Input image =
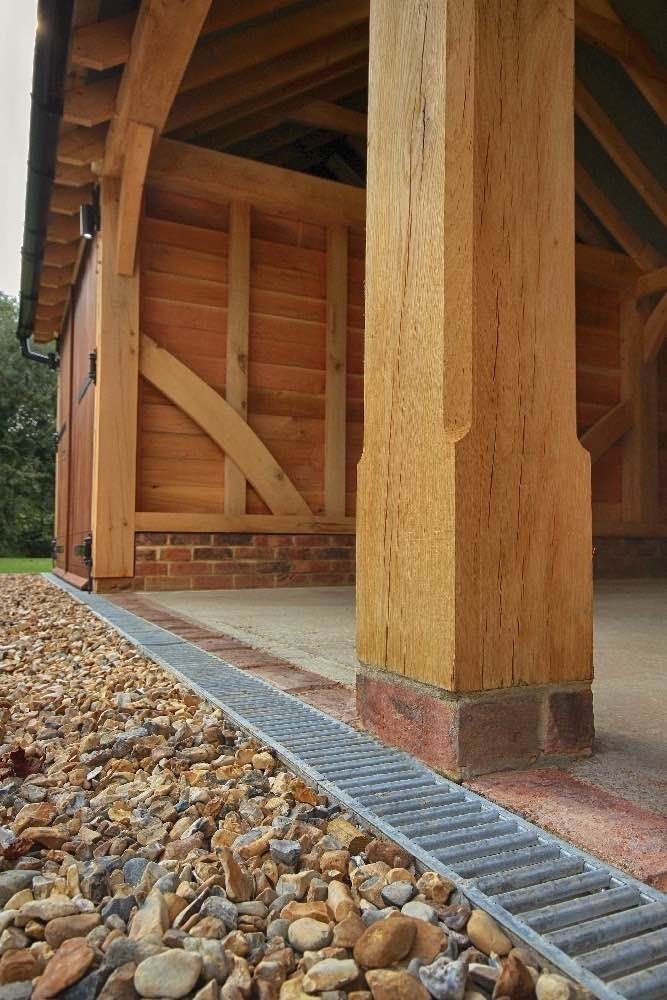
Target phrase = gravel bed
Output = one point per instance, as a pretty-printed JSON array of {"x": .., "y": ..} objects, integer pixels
[{"x": 149, "y": 849}]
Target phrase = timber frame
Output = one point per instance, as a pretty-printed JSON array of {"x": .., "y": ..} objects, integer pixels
[{"x": 219, "y": 138}]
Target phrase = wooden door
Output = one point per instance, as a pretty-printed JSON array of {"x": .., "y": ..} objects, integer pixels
[{"x": 82, "y": 412}]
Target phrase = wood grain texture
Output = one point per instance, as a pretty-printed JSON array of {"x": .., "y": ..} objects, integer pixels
[
  {"x": 223, "y": 425},
  {"x": 474, "y": 516},
  {"x": 175, "y": 166},
  {"x": 114, "y": 474},
  {"x": 655, "y": 330},
  {"x": 238, "y": 324},
  {"x": 335, "y": 391},
  {"x": 255, "y": 523},
  {"x": 139, "y": 140}
]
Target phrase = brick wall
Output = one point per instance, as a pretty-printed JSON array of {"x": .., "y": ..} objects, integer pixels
[
  {"x": 618, "y": 558},
  {"x": 199, "y": 561}
]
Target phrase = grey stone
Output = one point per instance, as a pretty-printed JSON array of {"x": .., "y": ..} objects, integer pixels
[
  {"x": 215, "y": 964},
  {"x": 88, "y": 987},
  {"x": 223, "y": 909},
  {"x": 285, "y": 852},
  {"x": 171, "y": 974},
  {"x": 422, "y": 911},
  {"x": 445, "y": 980},
  {"x": 119, "y": 906},
  {"x": 398, "y": 893},
  {"x": 134, "y": 869},
  {"x": 278, "y": 929},
  {"x": 16, "y": 991}
]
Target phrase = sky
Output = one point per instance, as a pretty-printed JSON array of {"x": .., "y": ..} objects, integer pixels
[{"x": 18, "y": 19}]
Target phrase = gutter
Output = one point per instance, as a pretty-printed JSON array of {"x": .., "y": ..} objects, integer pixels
[{"x": 48, "y": 78}]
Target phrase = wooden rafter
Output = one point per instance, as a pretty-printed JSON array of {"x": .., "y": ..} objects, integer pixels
[
  {"x": 608, "y": 32},
  {"x": 642, "y": 253},
  {"x": 587, "y": 229},
  {"x": 250, "y": 117},
  {"x": 607, "y": 268},
  {"x": 223, "y": 425},
  {"x": 623, "y": 155},
  {"x": 655, "y": 330},
  {"x": 606, "y": 431},
  {"x": 63, "y": 228},
  {"x": 269, "y": 523},
  {"x": 324, "y": 114},
  {"x": 206, "y": 108},
  {"x": 55, "y": 277}
]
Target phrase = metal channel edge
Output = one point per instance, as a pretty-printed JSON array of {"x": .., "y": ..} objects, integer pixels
[{"x": 137, "y": 631}]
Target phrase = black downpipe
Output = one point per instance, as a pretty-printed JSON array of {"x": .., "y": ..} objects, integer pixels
[{"x": 54, "y": 19}]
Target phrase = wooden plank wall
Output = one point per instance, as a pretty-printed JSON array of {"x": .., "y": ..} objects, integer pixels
[{"x": 184, "y": 308}]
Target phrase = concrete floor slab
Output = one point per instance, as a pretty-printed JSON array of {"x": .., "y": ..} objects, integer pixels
[{"x": 314, "y": 629}]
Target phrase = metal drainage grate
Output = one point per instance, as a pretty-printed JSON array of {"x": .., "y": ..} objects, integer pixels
[{"x": 604, "y": 929}]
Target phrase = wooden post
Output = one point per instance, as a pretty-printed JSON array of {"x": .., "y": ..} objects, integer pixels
[
  {"x": 639, "y": 385},
  {"x": 336, "y": 375},
  {"x": 474, "y": 512},
  {"x": 115, "y": 440},
  {"x": 238, "y": 318}
]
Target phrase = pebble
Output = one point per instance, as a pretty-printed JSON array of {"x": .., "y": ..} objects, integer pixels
[
  {"x": 172, "y": 857},
  {"x": 486, "y": 935},
  {"x": 171, "y": 974},
  {"x": 384, "y": 943},
  {"x": 330, "y": 974},
  {"x": 306, "y": 934}
]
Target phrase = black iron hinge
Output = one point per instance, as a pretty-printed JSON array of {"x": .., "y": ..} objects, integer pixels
[
  {"x": 91, "y": 377},
  {"x": 85, "y": 551},
  {"x": 58, "y": 436}
]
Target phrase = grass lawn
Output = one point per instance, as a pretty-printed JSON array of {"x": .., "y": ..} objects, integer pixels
[{"x": 24, "y": 564}]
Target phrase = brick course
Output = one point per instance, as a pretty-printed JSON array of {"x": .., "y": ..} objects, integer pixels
[{"x": 212, "y": 561}]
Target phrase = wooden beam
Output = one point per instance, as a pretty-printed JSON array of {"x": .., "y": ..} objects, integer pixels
[
  {"x": 138, "y": 148},
  {"x": 53, "y": 296},
  {"x": 116, "y": 395},
  {"x": 639, "y": 384},
  {"x": 608, "y": 268},
  {"x": 625, "y": 158},
  {"x": 324, "y": 114},
  {"x": 342, "y": 171},
  {"x": 208, "y": 106},
  {"x": 223, "y": 425},
  {"x": 651, "y": 282},
  {"x": 655, "y": 330},
  {"x": 176, "y": 166},
  {"x": 255, "y": 523},
  {"x": 619, "y": 41},
  {"x": 336, "y": 373},
  {"x": 106, "y": 43},
  {"x": 606, "y": 431},
  {"x": 68, "y": 200},
  {"x": 238, "y": 323},
  {"x": 164, "y": 37},
  {"x": 644, "y": 255}
]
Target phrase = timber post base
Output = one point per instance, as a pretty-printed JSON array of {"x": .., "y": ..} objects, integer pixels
[{"x": 471, "y": 734}]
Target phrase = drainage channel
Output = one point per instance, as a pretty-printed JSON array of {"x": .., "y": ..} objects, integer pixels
[{"x": 600, "y": 927}]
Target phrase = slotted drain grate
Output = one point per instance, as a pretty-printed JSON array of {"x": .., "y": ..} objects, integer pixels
[{"x": 602, "y": 928}]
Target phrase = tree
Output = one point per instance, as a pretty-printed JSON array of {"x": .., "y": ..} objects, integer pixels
[{"x": 27, "y": 408}]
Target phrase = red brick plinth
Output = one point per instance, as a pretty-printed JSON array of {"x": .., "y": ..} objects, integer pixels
[{"x": 471, "y": 734}]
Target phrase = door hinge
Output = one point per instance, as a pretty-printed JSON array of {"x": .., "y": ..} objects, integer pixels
[
  {"x": 56, "y": 549},
  {"x": 85, "y": 551},
  {"x": 92, "y": 367}
]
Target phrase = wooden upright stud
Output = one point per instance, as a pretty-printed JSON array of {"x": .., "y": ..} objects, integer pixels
[
  {"x": 238, "y": 318},
  {"x": 474, "y": 514},
  {"x": 639, "y": 385},
  {"x": 336, "y": 373},
  {"x": 115, "y": 440}
]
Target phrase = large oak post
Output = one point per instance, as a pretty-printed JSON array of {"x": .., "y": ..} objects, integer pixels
[{"x": 474, "y": 514}]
